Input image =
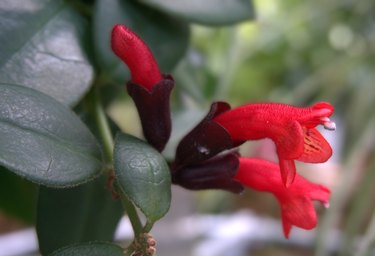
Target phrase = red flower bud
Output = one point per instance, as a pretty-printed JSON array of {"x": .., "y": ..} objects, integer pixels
[
  {"x": 136, "y": 55},
  {"x": 149, "y": 90}
]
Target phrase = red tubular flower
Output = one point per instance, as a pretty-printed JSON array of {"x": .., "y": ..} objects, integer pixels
[
  {"x": 136, "y": 55},
  {"x": 291, "y": 128},
  {"x": 296, "y": 204},
  {"x": 149, "y": 89}
]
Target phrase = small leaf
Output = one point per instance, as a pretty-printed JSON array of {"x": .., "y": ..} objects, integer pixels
[
  {"x": 165, "y": 35},
  {"x": 41, "y": 48},
  {"x": 90, "y": 249},
  {"x": 43, "y": 141},
  {"x": 80, "y": 214},
  {"x": 143, "y": 176},
  {"x": 208, "y": 12}
]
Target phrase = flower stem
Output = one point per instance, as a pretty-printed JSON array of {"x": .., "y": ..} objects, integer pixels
[
  {"x": 147, "y": 228},
  {"x": 133, "y": 215},
  {"x": 103, "y": 126},
  {"x": 108, "y": 145}
]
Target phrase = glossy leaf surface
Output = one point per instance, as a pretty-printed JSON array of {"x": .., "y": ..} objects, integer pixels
[
  {"x": 41, "y": 48},
  {"x": 143, "y": 176},
  {"x": 43, "y": 141}
]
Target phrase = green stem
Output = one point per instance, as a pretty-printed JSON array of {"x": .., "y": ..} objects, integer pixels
[
  {"x": 103, "y": 126},
  {"x": 108, "y": 145},
  {"x": 147, "y": 228},
  {"x": 133, "y": 215}
]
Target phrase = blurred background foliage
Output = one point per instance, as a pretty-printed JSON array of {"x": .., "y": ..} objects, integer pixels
[{"x": 296, "y": 52}]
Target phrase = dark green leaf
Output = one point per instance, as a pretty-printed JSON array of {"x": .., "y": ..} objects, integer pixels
[
  {"x": 17, "y": 196},
  {"x": 208, "y": 12},
  {"x": 166, "y": 36},
  {"x": 43, "y": 141},
  {"x": 90, "y": 249},
  {"x": 143, "y": 176},
  {"x": 40, "y": 48},
  {"x": 75, "y": 215}
]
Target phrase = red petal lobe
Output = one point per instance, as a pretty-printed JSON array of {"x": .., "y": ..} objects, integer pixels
[
  {"x": 299, "y": 211},
  {"x": 287, "y": 226},
  {"x": 288, "y": 171},
  {"x": 316, "y": 148},
  {"x": 289, "y": 143}
]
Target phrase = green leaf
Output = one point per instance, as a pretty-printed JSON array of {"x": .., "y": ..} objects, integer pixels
[
  {"x": 41, "y": 48},
  {"x": 208, "y": 12},
  {"x": 90, "y": 249},
  {"x": 165, "y": 35},
  {"x": 143, "y": 176},
  {"x": 18, "y": 196},
  {"x": 43, "y": 141},
  {"x": 75, "y": 215}
]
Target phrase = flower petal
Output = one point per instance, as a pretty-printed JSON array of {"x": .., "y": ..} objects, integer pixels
[
  {"x": 297, "y": 211},
  {"x": 320, "y": 193},
  {"x": 289, "y": 142},
  {"x": 297, "y": 208},
  {"x": 287, "y": 226},
  {"x": 287, "y": 171},
  {"x": 316, "y": 148}
]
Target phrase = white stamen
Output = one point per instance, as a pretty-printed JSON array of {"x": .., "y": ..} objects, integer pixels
[{"x": 328, "y": 124}]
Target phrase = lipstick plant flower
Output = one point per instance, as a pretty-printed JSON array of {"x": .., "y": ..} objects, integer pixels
[
  {"x": 296, "y": 201},
  {"x": 292, "y": 129},
  {"x": 149, "y": 88}
]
